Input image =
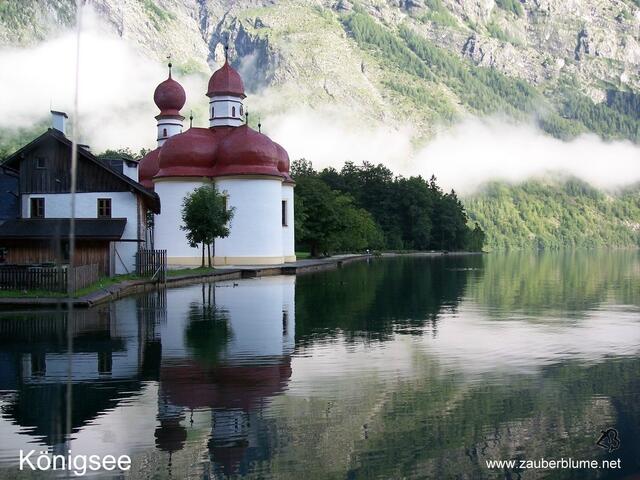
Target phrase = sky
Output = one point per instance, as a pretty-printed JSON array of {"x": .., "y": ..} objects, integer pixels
[{"x": 116, "y": 110}]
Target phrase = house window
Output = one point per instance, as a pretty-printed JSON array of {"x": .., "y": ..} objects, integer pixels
[
  {"x": 105, "y": 362},
  {"x": 40, "y": 163},
  {"x": 233, "y": 111},
  {"x": 284, "y": 213},
  {"x": 38, "y": 364},
  {"x": 37, "y": 207},
  {"x": 104, "y": 208},
  {"x": 3, "y": 254},
  {"x": 65, "y": 250}
]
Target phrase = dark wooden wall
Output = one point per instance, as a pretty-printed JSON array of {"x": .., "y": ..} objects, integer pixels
[
  {"x": 8, "y": 196},
  {"x": 55, "y": 177},
  {"x": 32, "y": 251}
]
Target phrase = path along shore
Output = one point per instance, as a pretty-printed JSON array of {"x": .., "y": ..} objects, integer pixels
[{"x": 129, "y": 287}]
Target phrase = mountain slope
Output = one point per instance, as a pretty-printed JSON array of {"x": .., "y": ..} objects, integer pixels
[{"x": 573, "y": 67}]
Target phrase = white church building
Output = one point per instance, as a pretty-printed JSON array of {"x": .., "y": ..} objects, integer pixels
[{"x": 250, "y": 169}]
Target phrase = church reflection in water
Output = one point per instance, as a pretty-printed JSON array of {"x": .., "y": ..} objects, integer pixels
[{"x": 203, "y": 348}]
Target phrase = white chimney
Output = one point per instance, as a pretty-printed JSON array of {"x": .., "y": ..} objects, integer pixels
[
  {"x": 130, "y": 169},
  {"x": 59, "y": 121}
]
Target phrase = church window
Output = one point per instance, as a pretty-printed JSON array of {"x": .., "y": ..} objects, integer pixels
[
  {"x": 241, "y": 110},
  {"x": 164, "y": 132},
  {"x": 233, "y": 111},
  {"x": 284, "y": 213},
  {"x": 225, "y": 203},
  {"x": 212, "y": 114}
]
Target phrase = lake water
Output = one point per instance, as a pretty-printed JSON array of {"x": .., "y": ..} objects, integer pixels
[{"x": 406, "y": 367}]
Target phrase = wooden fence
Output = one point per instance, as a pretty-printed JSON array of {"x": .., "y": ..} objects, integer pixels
[
  {"x": 82, "y": 276},
  {"x": 51, "y": 279},
  {"x": 152, "y": 263}
]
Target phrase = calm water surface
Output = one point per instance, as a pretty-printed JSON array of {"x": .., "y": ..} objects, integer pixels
[{"x": 401, "y": 367}]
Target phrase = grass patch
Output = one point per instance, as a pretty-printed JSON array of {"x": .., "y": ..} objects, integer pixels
[
  {"x": 303, "y": 255},
  {"x": 189, "y": 271},
  {"x": 30, "y": 294},
  {"x": 439, "y": 14},
  {"x": 496, "y": 32},
  {"x": 513, "y": 6},
  {"x": 101, "y": 284},
  {"x": 157, "y": 15}
]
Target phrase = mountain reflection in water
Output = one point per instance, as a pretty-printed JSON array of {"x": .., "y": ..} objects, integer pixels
[{"x": 402, "y": 367}]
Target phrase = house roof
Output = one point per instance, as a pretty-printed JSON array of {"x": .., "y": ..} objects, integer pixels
[
  {"x": 46, "y": 228},
  {"x": 150, "y": 198}
]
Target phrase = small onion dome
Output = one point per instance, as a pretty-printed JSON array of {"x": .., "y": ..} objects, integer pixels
[
  {"x": 188, "y": 154},
  {"x": 226, "y": 81},
  {"x": 169, "y": 97},
  {"x": 246, "y": 152},
  {"x": 148, "y": 167},
  {"x": 283, "y": 163}
]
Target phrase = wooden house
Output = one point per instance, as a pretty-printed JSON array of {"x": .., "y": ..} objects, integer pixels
[{"x": 111, "y": 207}]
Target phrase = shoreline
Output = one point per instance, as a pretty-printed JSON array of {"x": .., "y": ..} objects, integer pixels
[{"x": 130, "y": 287}]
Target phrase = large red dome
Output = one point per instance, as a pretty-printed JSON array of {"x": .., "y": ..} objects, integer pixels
[
  {"x": 169, "y": 96},
  {"x": 226, "y": 81},
  {"x": 283, "y": 163},
  {"x": 246, "y": 152},
  {"x": 188, "y": 154},
  {"x": 148, "y": 167}
]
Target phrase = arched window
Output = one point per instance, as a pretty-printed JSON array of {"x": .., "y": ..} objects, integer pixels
[
  {"x": 164, "y": 132},
  {"x": 212, "y": 115},
  {"x": 241, "y": 110},
  {"x": 233, "y": 111}
]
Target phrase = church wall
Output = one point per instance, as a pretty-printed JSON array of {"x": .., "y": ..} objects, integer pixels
[
  {"x": 288, "y": 231},
  {"x": 167, "y": 232},
  {"x": 256, "y": 228},
  {"x": 225, "y": 110}
]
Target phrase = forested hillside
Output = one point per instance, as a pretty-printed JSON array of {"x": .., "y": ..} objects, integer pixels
[
  {"x": 366, "y": 207},
  {"x": 549, "y": 215}
]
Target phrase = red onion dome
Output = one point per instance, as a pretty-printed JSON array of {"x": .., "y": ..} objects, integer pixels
[
  {"x": 283, "y": 163},
  {"x": 226, "y": 81},
  {"x": 246, "y": 152},
  {"x": 148, "y": 167},
  {"x": 188, "y": 154},
  {"x": 169, "y": 97}
]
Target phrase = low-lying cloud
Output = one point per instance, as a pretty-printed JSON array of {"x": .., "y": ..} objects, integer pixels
[
  {"x": 115, "y": 94},
  {"x": 117, "y": 110},
  {"x": 463, "y": 157}
]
